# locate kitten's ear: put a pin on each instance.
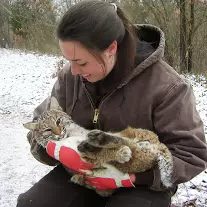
(31, 125)
(54, 104)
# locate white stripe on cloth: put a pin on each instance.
(71, 142)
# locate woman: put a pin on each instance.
(117, 78)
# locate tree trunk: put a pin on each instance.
(190, 38)
(183, 34)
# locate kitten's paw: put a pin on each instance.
(99, 138)
(85, 148)
(78, 179)
(96, 137)
(105, 193)
(124, 154)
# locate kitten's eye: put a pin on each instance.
(58, 122)
(48, 130)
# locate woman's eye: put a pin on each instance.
(84, 64)
(58, 122)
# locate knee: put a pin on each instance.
(22, 201)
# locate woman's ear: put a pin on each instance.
(112, 49)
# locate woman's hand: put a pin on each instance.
(66, 152)
(108, 177)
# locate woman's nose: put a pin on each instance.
(75, 70)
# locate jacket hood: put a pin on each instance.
(150, 48)
(150, 43)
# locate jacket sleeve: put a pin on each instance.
(179, 126)
(58, 91)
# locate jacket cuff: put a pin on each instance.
(150, 178)
(144, 178)
(39, 153)
(157, 185)
(158, 181)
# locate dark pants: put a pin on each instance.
(55, 190)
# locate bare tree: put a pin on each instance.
(160, 13)
(193, 14)
(5, 31)
(183, 35)
(190, 36)
(183, 24)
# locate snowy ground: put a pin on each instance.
(25, 81)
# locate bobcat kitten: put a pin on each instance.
(132, 150)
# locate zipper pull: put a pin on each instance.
(95, 118)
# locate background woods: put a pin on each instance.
(31, 24)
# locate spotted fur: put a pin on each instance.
(132, 150)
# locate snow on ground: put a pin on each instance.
(25, 82)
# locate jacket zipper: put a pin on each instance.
(95, 117)
(97, 109)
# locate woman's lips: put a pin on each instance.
(86, 75)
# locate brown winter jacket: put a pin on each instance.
(152, 96)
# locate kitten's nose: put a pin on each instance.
(57, 130)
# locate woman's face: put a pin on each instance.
(83, 63)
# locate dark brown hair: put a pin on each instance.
(96, 25)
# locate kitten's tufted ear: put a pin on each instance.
(31, 125)
(54, 104)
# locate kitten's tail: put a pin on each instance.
(165, 164)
